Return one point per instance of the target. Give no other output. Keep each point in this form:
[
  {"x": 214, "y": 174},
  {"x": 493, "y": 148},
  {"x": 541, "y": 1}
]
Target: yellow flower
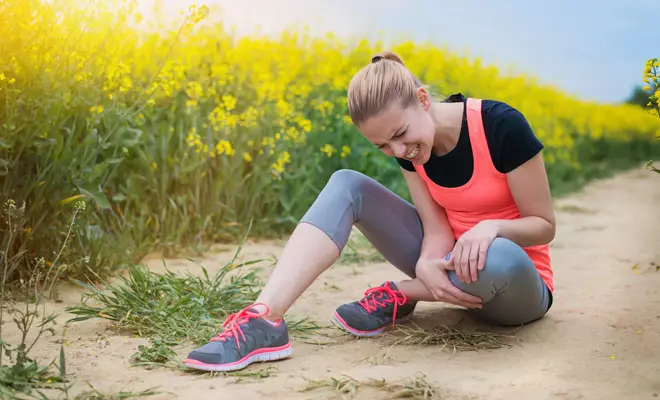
[
  {"x": 328, "y": 150},
  {"x": 282, "y": 160},
  {"x": 98, "y": 109},
  {"x": 345, "y": 151},
  {"x": 224, "y": 147},
  {"x": 247, "y": 157},
  {"x": 229, "y": 102}
]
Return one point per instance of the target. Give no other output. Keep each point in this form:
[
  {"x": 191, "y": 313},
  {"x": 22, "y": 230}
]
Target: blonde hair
[{"x": 384, "y": 81}]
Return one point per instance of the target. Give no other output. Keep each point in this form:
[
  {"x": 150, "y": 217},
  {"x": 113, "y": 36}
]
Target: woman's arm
[
  {"x": 530, "y": 189},
  {"x": 438, "y": 237},
  {"x": 431, "y": 268}
]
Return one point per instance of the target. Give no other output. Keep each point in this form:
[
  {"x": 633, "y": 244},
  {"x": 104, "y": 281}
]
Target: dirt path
[{"x": 601, "y": 339}]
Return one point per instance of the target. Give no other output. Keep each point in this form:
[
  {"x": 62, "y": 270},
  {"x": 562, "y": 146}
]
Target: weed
[
  {"x": 160, "y": 353},
  {"x": 23, "y": 375}
]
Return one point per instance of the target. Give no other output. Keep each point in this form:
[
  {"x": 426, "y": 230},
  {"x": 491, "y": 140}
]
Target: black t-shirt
[{"x": 510, "y": 138}]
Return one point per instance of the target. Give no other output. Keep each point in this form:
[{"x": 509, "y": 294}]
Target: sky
[{"x": 598, "y": 53}]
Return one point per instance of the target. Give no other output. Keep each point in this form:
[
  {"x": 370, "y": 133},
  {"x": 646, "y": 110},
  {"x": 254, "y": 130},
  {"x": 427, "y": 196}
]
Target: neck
[{"x": 448, "y": 119}]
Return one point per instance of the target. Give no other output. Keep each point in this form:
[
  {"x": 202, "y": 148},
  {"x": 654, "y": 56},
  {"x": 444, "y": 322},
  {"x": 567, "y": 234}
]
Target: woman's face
[{"x": 404, "y": 133}]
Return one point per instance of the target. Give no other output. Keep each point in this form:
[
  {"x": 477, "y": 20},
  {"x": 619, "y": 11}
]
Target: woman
[{"x": 477, "y": 235}]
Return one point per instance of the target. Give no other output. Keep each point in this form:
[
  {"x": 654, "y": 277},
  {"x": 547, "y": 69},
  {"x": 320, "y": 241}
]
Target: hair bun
[{"x": 387, "y": 55}]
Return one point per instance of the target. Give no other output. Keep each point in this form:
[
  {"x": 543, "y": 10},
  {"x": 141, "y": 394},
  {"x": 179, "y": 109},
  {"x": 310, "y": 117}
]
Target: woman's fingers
[
  {"x": 474, "y": 261},
  {"x": 465, "y": 261},
  {"x": 483, "y": 251}
]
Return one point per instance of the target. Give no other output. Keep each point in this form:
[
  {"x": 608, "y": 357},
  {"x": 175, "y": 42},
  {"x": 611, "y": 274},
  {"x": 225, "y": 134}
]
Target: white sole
[
  {"x": 262, "y": 357},
  {"x": 370, "y": 333}
]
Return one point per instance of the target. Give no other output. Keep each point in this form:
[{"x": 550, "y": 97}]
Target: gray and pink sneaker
[
  {"x": 246, "y": 338},
  {"x": 382, "y": 306}
]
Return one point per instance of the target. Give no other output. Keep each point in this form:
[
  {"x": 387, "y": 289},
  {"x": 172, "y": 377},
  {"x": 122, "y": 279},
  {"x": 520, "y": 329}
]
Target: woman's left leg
[{"x": 511, "y": 288}]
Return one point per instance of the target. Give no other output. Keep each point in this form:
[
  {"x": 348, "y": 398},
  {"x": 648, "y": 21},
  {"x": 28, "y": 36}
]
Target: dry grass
[
  {"x": 240, "y": 376},
  {"x": 347, "y": 387},
  {"x": 449, "y": 337},
  {"x": 94, "y": 394}
]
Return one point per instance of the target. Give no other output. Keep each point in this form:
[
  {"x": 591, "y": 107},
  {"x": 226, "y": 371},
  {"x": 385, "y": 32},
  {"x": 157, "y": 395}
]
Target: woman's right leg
[{"x": 348, "y": 199}]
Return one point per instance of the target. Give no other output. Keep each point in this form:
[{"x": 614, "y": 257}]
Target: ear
[{"x": 424, "y": 98}]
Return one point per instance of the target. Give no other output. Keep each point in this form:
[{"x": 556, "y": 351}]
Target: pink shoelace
[
  {"x": 374, "y": 299},
  {"x": 231, "y": 326}
]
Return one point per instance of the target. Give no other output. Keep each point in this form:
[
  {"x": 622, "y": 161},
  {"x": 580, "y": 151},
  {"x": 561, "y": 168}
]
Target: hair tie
[{"x": 375, "y": 59}]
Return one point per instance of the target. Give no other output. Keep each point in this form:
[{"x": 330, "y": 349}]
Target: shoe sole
[
  {"x": 372, "y": 333},
  {"x": 260, "y": 355}
]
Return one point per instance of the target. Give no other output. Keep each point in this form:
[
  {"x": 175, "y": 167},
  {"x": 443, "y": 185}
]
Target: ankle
[
  {"x": 269, "y": 314},
  {"x": 411, "y": 288}
]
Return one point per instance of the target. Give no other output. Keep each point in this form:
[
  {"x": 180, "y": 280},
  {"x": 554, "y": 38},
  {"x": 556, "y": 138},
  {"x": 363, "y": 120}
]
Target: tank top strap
[{"x": 483, "y": 162}]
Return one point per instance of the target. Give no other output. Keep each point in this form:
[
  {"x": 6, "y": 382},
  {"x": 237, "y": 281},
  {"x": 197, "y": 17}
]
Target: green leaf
[
  {"x": 4, "y": 144},
  {"x": 119, "y": 197},
  {"x": 96, "y": 194},
  {"x": 44, "y": 142}
]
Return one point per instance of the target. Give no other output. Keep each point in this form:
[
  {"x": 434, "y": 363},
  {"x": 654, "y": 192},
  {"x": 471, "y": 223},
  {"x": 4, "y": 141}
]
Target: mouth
[{"x": 412, "y": 153}]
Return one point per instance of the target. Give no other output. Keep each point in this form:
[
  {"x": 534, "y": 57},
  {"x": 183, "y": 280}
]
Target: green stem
[{"x": 4, "y": 278}]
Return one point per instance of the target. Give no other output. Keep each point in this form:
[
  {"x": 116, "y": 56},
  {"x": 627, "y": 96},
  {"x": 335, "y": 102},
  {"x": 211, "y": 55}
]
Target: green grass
[
  {"x": 359, "y": 250},
  {"x": 174, "y": 308}
]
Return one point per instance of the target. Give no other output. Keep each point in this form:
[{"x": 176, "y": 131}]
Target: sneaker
[
  {"x": 246, "y": 338},
  {"x": 370, "y": 316}
]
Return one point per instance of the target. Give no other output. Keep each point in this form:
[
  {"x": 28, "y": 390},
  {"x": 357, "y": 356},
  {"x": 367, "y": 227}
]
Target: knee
[
  {"x": 347, "y": 180},
  {"x": 505, "y": 259}
]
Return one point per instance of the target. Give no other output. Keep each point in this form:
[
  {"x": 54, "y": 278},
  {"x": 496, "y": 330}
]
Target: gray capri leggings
[{"x": 511, "y": 289}]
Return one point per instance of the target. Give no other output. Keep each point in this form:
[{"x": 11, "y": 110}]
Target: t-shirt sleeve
[
  {"x": 405, "y": 164},
  {"x": 516, "y": 140}
]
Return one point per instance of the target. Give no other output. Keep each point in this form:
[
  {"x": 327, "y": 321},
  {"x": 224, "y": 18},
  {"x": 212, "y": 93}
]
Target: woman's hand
[
  {"x": 469, "y": 254},
  {"x": 433, "y": 274}
]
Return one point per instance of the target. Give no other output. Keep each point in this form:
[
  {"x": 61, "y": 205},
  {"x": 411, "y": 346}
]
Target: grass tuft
[
  {"x": 346, "y": 387},
  {"x": 170, "y": 306},
  {"x": 450, "y": 337},
  {"x": 95, "y": 394},
  {"x": 175, "y": 307},
  {"x": 240, "y": 376},
  {"x": 159, "y": 354}
]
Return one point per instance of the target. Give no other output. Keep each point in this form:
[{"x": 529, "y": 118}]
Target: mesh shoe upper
[{"x": 381, "y": 305}]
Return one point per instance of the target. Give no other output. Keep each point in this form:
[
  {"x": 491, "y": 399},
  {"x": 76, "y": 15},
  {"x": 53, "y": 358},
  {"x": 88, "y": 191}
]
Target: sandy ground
[{"x": 601, "y": 339}]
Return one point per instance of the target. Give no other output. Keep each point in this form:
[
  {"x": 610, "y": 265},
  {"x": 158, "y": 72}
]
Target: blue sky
[{"x": 597, "y": 54}]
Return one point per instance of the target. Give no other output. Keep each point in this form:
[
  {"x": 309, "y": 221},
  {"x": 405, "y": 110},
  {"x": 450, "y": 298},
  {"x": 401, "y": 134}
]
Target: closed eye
[{"x": 395, "y": 136}]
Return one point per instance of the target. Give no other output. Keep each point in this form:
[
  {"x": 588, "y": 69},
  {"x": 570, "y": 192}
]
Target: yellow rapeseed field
[{"x": 188, "y": 134}]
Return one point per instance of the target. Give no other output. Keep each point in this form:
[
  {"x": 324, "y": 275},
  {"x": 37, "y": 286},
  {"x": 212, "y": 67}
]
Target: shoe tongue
[{"x": 392, "y": 285}]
